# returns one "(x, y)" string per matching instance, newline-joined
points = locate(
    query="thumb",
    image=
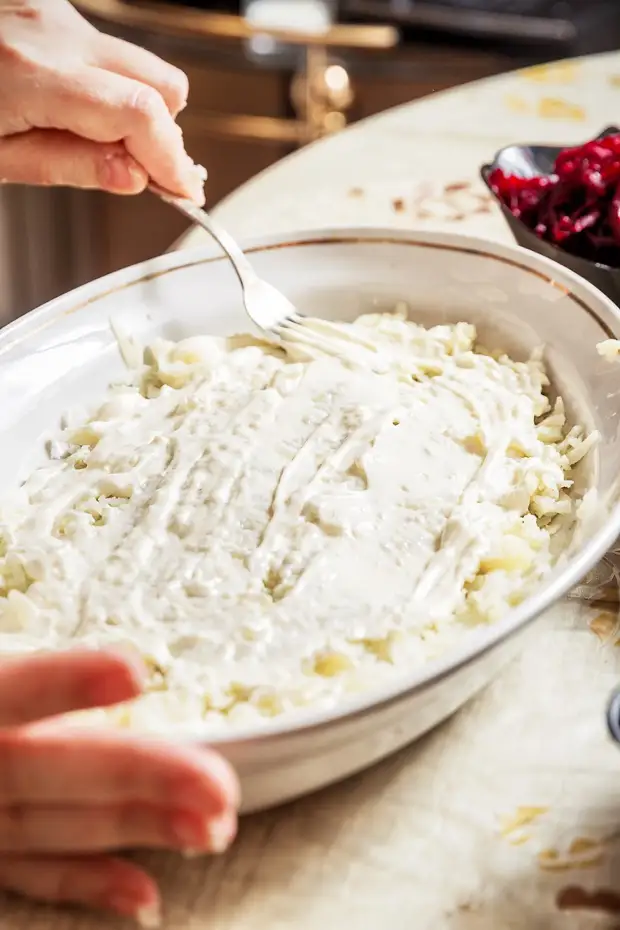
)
(52, 157)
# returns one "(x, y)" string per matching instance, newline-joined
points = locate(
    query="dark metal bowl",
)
(528, 161)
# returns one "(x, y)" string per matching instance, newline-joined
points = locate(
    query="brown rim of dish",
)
(352, 240)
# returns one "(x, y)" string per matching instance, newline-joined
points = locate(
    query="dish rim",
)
(479, 642)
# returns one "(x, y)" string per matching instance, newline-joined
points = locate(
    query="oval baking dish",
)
(516, 299)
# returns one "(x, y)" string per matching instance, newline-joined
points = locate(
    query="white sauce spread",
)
(609, 349)
(272, 531)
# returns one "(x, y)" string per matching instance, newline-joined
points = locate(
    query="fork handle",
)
(243, 268)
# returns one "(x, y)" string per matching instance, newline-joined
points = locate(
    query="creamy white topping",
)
(274, 531)
(609, 349)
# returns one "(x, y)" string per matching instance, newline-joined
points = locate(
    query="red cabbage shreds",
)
(522, 196)
(578, 206)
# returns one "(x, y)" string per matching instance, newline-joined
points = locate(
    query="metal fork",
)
(268, 309)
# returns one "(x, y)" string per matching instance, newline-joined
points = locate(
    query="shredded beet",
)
(578, 206)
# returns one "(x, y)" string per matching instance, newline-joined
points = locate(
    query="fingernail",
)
(222, 831)
(137, 176)
(196, 178)
(121, 174)
(195, 835)
(146, 915)
(189, 830)
(130, 654)
(149, 917)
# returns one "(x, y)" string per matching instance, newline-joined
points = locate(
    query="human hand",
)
(84, 109)
(69, 796)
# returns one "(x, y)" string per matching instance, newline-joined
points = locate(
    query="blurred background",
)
(267, 77)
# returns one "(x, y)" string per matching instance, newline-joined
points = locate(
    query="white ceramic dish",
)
(66, 352)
